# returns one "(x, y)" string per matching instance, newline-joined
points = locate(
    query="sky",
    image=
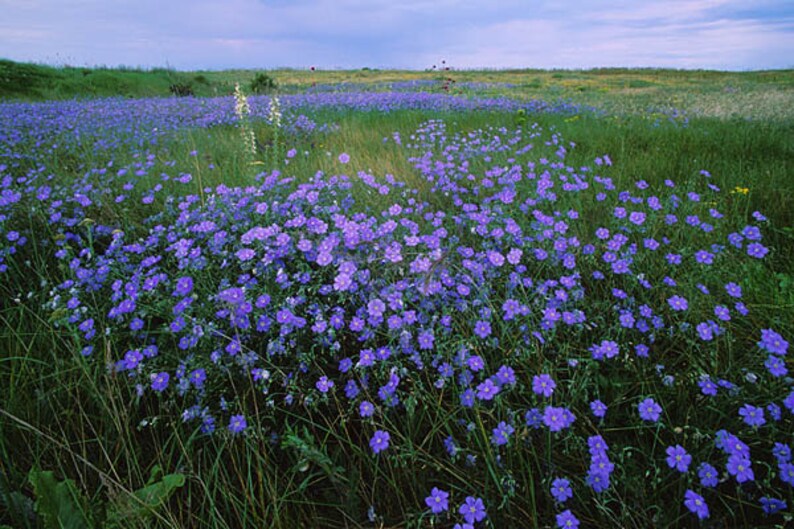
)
(402, 34)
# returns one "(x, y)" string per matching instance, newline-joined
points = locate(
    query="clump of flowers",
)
(511, 297)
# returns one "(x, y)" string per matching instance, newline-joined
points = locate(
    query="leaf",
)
(156, 494)
(58, 503)
(146, 500)
(18, 507)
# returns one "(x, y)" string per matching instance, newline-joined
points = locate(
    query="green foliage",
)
(145, 501)
(520, 119)
(19, 78)
(309, 454)
(58, 504)
(19, 507)
(262, 84)
(181, 89)
(640, 83)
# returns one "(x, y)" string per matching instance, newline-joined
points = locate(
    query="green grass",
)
(61, 412)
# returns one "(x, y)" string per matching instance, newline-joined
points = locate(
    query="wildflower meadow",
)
(394, 305)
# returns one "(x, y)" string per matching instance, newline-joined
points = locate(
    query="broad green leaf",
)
(58, 503)
(145, 500)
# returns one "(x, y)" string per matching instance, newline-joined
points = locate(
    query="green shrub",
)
(181, 89)
(263, 84)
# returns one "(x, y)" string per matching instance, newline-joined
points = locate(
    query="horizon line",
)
(393, 69)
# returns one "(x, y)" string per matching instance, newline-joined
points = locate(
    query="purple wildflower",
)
(776, 366)
(772, 505)
(757, 250)
(786, 473)
(437, 501)
(557, 419)
(472, 510)
(733, 290)
(237, 424)
(708, 475)
(543, 385)
(598, 408)
(696, 504)
(782, 452)
(506, 375)
(324, 384)
(160, 381)
(772, 342)
(566, 520)
(379, 441)
(561, 490)
(184, 286)
(637, 217)
(475, 363)
(678, 303)
(482, 329)
(487, 390)
(707, 386)
(740, 467)
(649, 410)
(752, 415)
(198, 377)
(502, 433)
(678, 458)
(234, 295)
(366, 409)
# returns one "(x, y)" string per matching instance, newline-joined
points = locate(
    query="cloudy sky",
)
(413, 34)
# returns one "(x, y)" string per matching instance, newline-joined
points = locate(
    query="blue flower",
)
(487, 390)
(473, 510)
(782, 452)
(678, 458)
(557, 419)
(649, 410)
(752, 415)
(561, 490)
(566, 520)
(501, 434)
(696, 504)
(160, 381)
(437, 501)
(598, 408)
(237, 424)
(741, 468)
(772, 342)
(482, 329)
(772, 505)
(379, 441)
(543, 385)
(324, 384)
(708, 475)
(366, 409)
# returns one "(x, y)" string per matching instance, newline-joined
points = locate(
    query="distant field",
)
(396, 299)
(759, 95)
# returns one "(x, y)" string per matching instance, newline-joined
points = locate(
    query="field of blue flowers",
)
(502, 335)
